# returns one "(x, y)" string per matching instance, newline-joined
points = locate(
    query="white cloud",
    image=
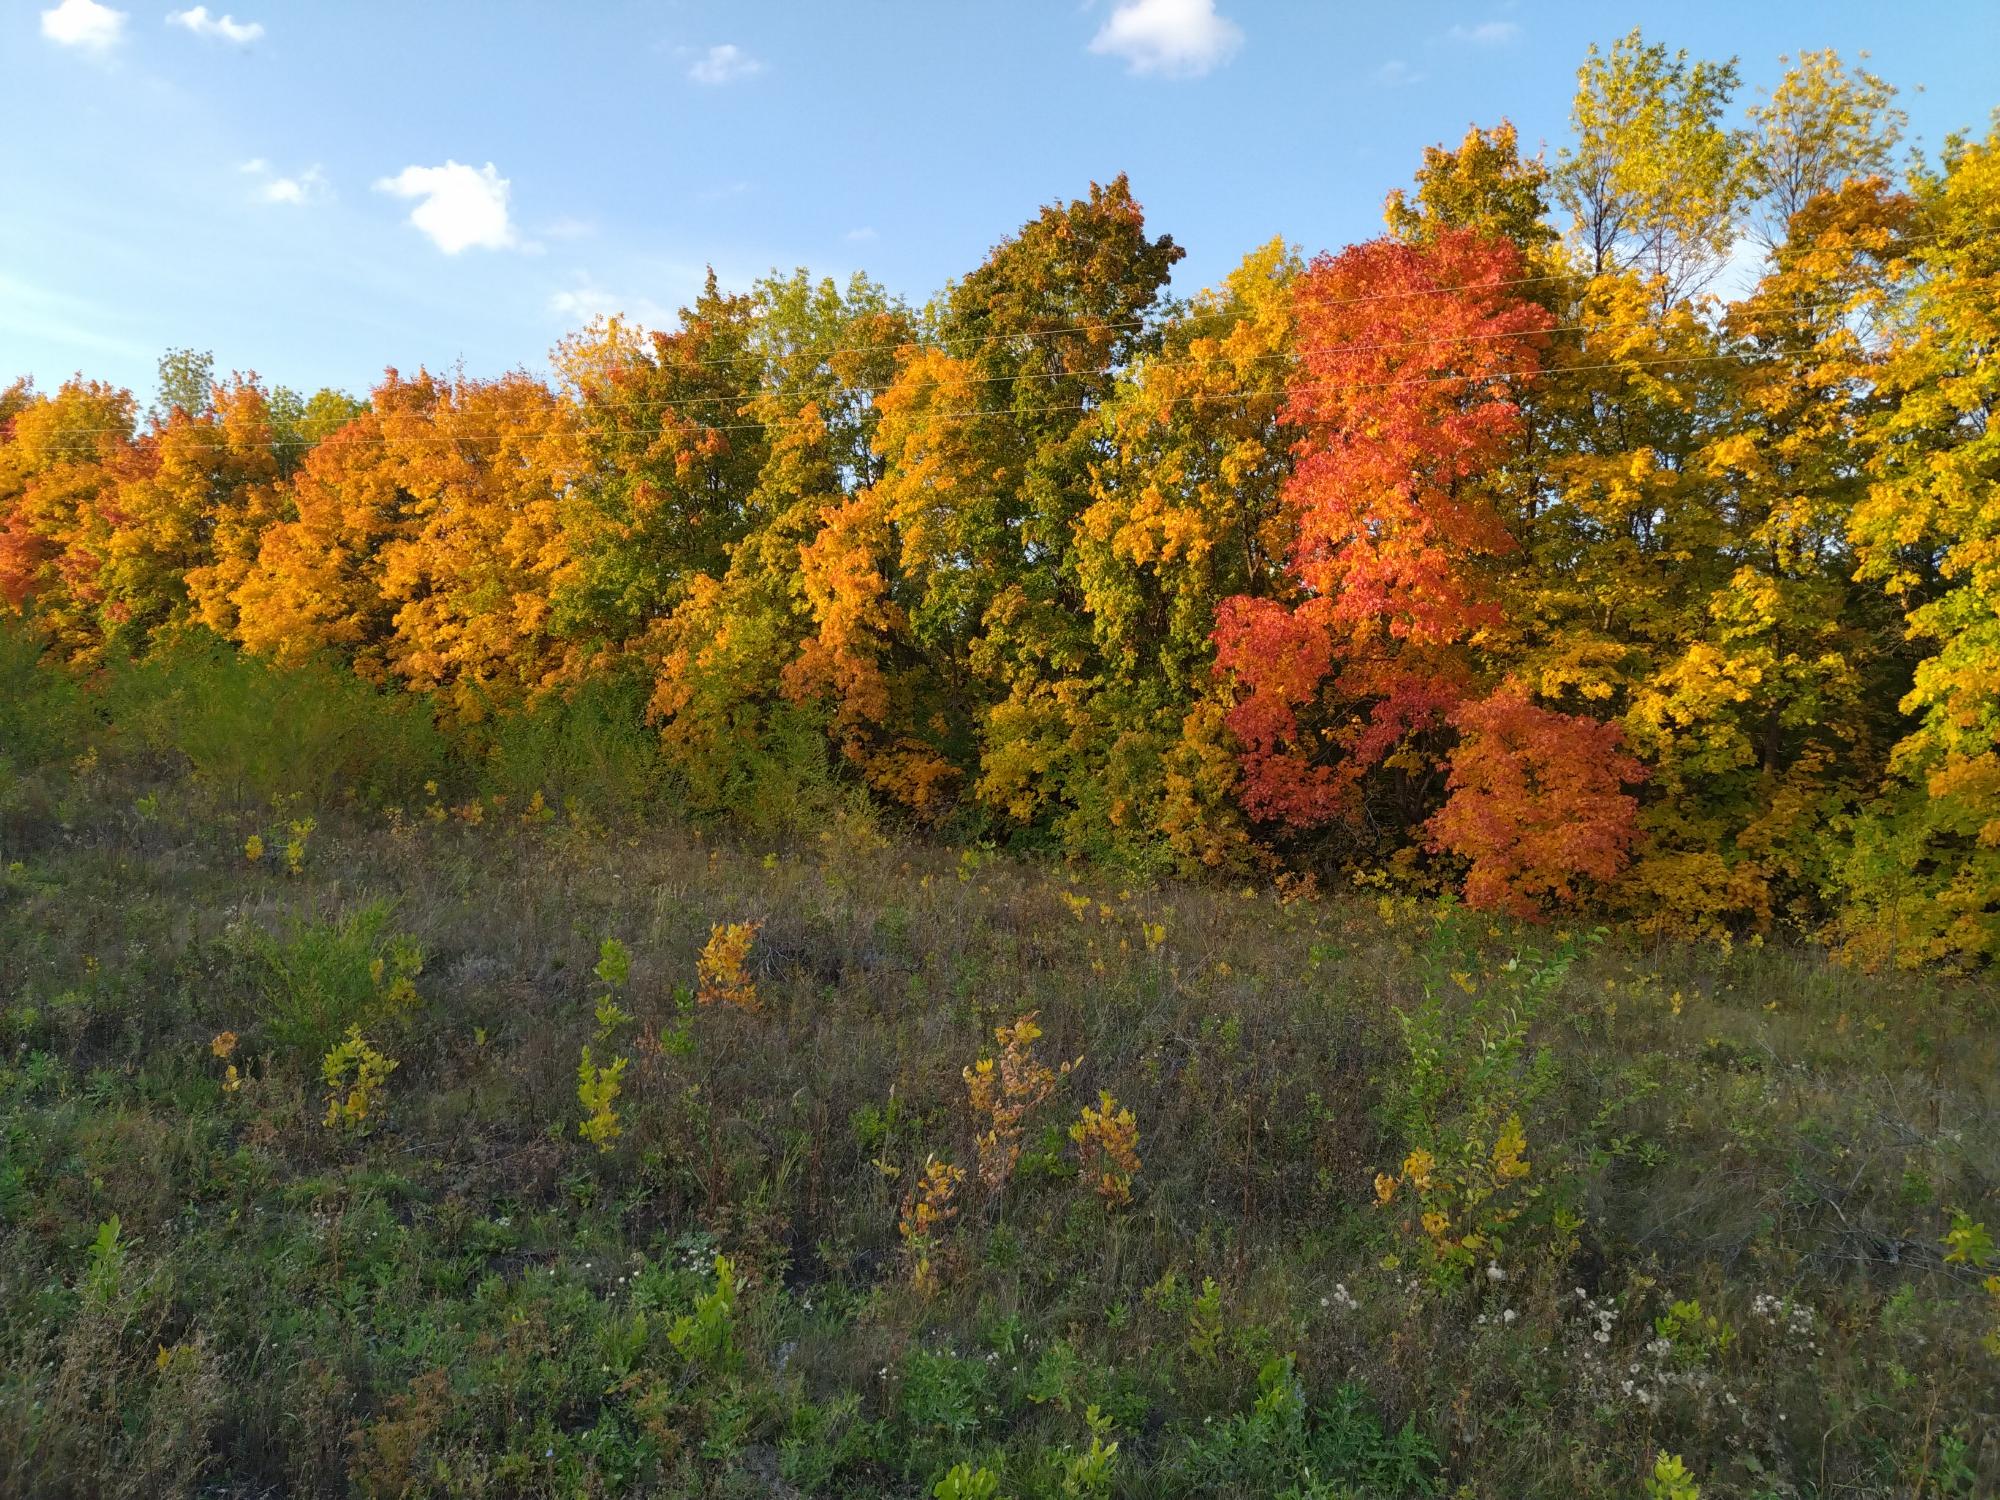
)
(725, 64)
(586, 302)
(228, 28)
(1396, 74)
(1485, 34)
(309, 186)
(1174, 38)
(462, 207)
(859, 236)
(84, 24)
(568, 228)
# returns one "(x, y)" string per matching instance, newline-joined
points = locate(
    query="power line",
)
(1150, 366)
(1147, 367)
(755, 358)
(969, 413)
(1141, 324)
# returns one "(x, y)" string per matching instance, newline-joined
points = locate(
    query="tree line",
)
(1512, 550)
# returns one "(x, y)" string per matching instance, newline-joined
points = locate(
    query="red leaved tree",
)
(1410, 356)
(1537, 802)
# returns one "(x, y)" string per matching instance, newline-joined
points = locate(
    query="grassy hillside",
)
(1723, 1207)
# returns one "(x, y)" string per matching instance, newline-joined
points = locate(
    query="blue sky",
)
(304, 189)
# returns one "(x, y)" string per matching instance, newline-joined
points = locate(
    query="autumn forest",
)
(1507, 551)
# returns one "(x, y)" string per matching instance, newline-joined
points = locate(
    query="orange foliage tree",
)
(1537, 803)
(1405, 398)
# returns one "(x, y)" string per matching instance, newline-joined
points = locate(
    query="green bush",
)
(319, 978)
(257, 731)
(772, 773)
(1283, 1446)
(44, 713)
(591, 748)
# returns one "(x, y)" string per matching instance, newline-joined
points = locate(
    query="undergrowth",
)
(491, 1137)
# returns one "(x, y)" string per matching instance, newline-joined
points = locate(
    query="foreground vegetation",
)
(388, 1114)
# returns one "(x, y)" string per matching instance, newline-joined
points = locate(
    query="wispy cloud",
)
(1397, 74)
(1485, 34)
(1173, 38)
(459, 207)
(726, 63)
(84, 25)
(28, 310)
(309, 186)
(860, 236)
(586, 302)
(223, 28)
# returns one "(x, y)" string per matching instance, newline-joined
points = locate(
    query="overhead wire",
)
(1141, 324)
(1006, 412)
(820, 356)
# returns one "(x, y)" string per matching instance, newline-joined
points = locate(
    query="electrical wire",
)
(1007, 412)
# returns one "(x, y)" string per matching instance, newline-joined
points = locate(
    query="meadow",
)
(1381, 880)
(382, 1117)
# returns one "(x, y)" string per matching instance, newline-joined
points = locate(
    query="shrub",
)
(1285, 1446)
(597, 1090)
(926, 1212)
(1004, 1094)
(589, 748)
(321, 978)
(723, 970)
(1460, 1098)
(1107, 1138)
(356, 1075)
(257, 731)
(44, 714)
